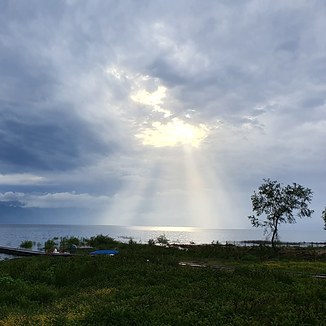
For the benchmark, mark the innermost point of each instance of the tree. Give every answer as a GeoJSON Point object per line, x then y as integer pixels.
{"type": "Point", "coordinates": [323, 216]}
{"type": "Point", "coordinates": [278, 203]}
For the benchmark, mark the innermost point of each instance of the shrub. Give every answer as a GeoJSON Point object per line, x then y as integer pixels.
{"type": "Point", "coordinates": [67, 243]}
{"type": "Point", "coordinates": [101, 241]}
{"type": "Point", "coordinates": [162, 240]}
{"type": "Point", "coordinates": [132, 242]}
{"type": "Point", "coordinates": [27, 244]}
{"type": "Point", "coordinates": [50, 244]}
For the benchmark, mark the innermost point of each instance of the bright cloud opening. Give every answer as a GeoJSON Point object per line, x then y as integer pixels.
{"type": "Point", "coordinates": [154, 99]}
{"type": "Point", "coordinates": [174, 133]}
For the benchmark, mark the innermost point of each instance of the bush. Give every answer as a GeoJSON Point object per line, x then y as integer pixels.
{"type": "Point", "coordinates": [101, 241]}
{"type": "Point", "coordinates": [27, 244]}
{"type": "Point", "coordinates": [50, 244]}
{"type": "Point", "coordinates": [162, 240]}
{"type": "Point", "coordinates": [66, 243]}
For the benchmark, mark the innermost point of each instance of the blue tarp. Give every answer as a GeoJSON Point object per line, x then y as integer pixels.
{"type": "Point", "coordinates": [104, 252]}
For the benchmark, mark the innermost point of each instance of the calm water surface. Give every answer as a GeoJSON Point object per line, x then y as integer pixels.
{"type": "Point", "coordinates": [12, 235]}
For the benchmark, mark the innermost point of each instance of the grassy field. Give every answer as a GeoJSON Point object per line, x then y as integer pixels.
{"type": "Point", "coordinates": [147, 285]}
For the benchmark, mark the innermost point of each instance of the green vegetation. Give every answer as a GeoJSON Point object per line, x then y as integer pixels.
{"type": "Point", "coordinates": [101, 242]}
{"type": "Point", "coordinates": [147, 285]}
{"type": "Point", "coordinates": [26, 244]}
{"type": "Point", "coordinates": [162, 240]}
{"type": "Point", "coordinates": [50, 245]}
{"type": "Point", "coordinates": [70, 244]}
{"type": "Point", "coordinates": [278, 203]}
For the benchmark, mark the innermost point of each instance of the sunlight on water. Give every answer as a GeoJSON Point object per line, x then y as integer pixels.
{"type": "Point", "coordinates": [165, 228]}
{"type": "Point", "coordinates": [13, 235]}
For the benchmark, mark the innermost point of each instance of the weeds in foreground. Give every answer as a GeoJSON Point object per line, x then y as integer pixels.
{"type": "Point", "coordinates": [145, 285]}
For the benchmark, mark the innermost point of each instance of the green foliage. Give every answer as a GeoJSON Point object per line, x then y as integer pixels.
{"type": "Point", "coordinates": [323, 216]}
{"type": "Point", "coordinates": [50, 244]}
{"type": "Point", "coordinates": [101, 241]}
{"type": "Point", "coordinates": [145, 285]}
{"type": "Point", "coordinates": [278, 203]}
{"type": "Point", "coordinates": [67, 243]}
{"type": "Point", "coordinates": [27, 244]}
{"type": "Point", "coordinates": [162, 240]}
{"type": "Point", "coordinates": [132, 242]}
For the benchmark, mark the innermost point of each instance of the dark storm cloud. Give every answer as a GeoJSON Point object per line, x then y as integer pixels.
{"type": "Point", "coordinates": [55, 140]}
{"type": "Point", "coordinates": [40, 127]}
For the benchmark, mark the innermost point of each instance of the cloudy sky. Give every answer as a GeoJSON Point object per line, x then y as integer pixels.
{"type": "Point", "coordinates": [159, 112]}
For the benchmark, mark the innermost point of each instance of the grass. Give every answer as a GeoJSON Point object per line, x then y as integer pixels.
{"type": "Point", "coordinates": [145, 285]}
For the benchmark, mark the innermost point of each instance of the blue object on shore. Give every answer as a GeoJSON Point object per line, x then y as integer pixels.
{"type": "Point", "coordinates": [110, 252]}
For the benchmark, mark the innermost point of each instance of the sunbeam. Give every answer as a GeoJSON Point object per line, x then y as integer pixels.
{"type": "Point", "coordinates": [133, 199]}
{"type": "Point", "coordinates": [176, 184]}
{"type": "Point", "coordinates": [207, 200]}
{"type": "Point", "coordinates": [178, 187]}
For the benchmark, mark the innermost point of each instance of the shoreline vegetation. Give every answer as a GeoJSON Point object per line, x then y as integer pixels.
{"type": "Point", "coordinates": [160, 283]}
{"type": "Point", "coordinates": [64, 243]}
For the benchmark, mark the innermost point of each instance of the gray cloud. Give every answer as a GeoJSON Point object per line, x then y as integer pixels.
{"type": "Point", "coordinates": [252, 72]}
{"type": "Point", "coordinates": [51, 141]}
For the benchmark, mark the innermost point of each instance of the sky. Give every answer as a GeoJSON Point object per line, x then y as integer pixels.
{"type": "Point", "coordinates": [159, 112]}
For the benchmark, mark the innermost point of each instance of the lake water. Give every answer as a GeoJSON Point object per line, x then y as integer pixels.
{"type": "Point", "coordinates": [12, 235]}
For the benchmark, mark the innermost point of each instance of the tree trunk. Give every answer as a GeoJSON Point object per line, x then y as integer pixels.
{"type": "Point", "coordinates": [274, 236]}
